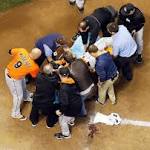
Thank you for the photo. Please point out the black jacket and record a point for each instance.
(81, 74)
(70, 100)
(97, 22)
(133, 22)
(45, 89)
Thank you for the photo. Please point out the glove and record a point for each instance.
(55, 66)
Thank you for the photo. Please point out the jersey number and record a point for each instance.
(18, 64)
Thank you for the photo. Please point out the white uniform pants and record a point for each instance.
(64, 121)
(18, 91)
(139, 40)
(79, 3)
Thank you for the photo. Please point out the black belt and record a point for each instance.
(8, 76)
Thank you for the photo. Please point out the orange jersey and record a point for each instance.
(21, 64)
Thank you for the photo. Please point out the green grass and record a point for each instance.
(6, 4)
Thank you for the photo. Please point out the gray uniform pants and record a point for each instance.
(18, 91)
(64, 124)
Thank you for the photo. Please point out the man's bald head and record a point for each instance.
(83, 26)
(35, 53)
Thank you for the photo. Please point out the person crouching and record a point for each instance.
(44, 96)
(70, 103)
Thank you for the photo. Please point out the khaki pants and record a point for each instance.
(107, 88)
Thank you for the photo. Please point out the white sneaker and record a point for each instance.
(21, 117)
(34, 125)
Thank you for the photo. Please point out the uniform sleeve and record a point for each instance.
(47, 50)
(35, 72)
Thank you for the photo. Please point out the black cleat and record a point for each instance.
(139, 59)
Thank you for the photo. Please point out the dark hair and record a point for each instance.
(112, 27)
(68, 57)
(83, 25)
(128, 8)
(61, 41)
(92, 49)
(64, 71)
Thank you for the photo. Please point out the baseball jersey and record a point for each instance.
(21, 64)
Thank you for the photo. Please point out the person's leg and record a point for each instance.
(51, 117)
(127, 71)
(83, 109)
(34, 115)
(15, 87)
(102, 91)
(64, 124)
(139, 41)
(111, 92)
(27, 96)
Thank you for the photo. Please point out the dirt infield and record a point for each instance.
(20, 27)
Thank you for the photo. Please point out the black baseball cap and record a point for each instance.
(64, 71)
(128, 8)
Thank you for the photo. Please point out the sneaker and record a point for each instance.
(21, 117)
(48, 127)
(34, 125)
(139, 59)
(113, 103)
(81, 10)
(60, 136)
(71, 123)
(72, 3)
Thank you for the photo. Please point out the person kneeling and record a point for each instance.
(70, 102)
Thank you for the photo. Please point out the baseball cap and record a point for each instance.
(64, 71)
(128, 8)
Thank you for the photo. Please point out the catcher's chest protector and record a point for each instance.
(81, 74)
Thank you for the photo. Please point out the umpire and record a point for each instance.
(131, 17)
(95, 23)
(44, 96)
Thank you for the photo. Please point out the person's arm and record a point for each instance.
(84, 36)
(94, 35)
(101, 72)
(48, 52)
(35, 72)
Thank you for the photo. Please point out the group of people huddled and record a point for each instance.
(104, 48)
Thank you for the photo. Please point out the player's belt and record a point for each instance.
(8, 75)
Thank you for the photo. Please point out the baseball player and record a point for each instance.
(15, 72)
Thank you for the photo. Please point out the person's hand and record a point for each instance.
(58, 113)
(100, 83)
(133, 33)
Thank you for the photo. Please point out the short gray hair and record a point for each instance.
(48, 69)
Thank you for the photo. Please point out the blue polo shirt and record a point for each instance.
(47, 44)
(105, 67)
(123, 43)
